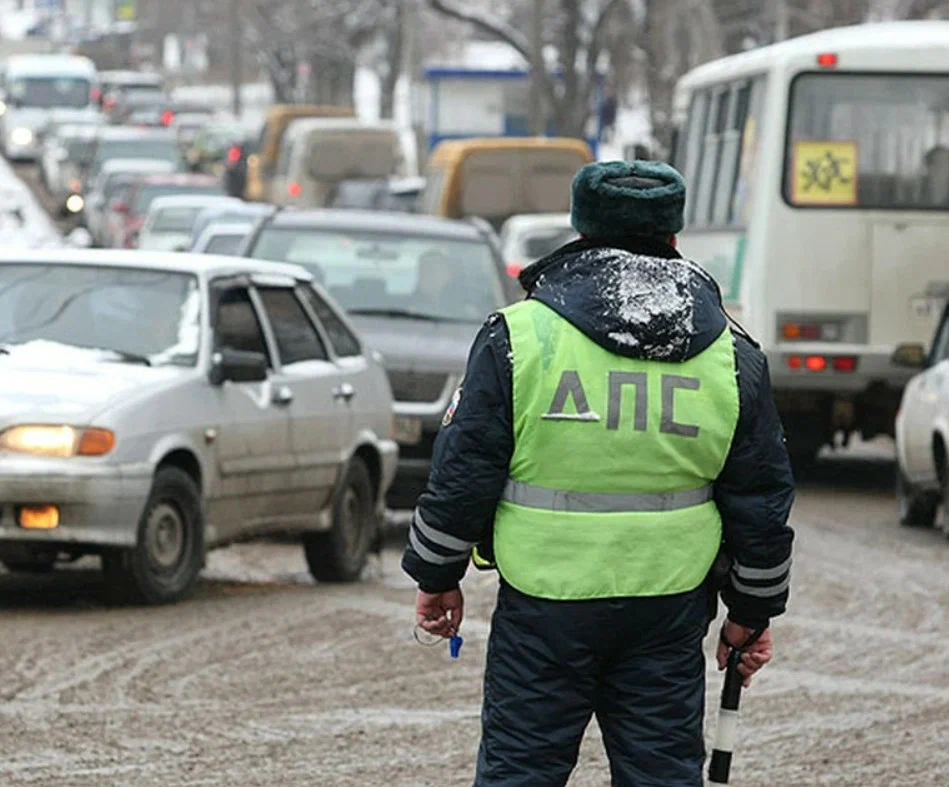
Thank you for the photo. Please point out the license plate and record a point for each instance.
(408, 431)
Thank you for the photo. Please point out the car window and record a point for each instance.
(224, 244)
(237, 326)
(297, 339)
(436, 278)
(345, 344)
(179, 219)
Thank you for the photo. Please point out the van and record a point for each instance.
(34, 88)
(495, 179)
(262, 164)
(318, 156)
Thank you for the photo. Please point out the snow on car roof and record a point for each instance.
(203, 265)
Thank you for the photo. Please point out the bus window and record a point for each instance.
(731, 147)
(746, 166)
(716, 124)
(687, 158)
(877, 141)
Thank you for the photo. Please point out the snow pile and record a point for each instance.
(651, 299)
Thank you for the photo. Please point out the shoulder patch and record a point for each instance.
(452, 407)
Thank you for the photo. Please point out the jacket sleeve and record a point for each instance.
(470, 464)
(754, 494)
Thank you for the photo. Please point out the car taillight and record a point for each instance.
(95, 94)
(167, 117)
(514, 269)
(234, 155)
(109, 104)
(294, 190)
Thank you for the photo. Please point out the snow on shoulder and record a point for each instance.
(651, 300)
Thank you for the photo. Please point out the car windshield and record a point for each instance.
(542, 241)
(179, 219)
(78, 149)
(48, 92)
(154, 315)
(146, 194)
(224, 244)
(434, 278)
(163, 150)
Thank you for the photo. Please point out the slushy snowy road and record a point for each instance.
(265, 679)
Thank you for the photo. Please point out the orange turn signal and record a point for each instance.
(39, 517)
(95, 442)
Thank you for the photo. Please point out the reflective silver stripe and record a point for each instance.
(531, 496)
(437, 537)
(432, 557)
(766, 592)
(746, 572)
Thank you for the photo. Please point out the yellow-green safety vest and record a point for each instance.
(610, 484)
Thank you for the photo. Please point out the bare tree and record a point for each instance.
(579, 32)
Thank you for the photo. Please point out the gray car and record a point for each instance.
(157, 405)
(418, 288)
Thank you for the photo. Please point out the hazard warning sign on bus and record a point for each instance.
(825, 173)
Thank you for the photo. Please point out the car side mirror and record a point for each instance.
(238, 366)
(910, 356)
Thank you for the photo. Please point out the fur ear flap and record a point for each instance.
(605, 207)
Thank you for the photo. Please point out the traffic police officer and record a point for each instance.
(612, 441)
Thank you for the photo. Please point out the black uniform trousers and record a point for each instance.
(636, 663)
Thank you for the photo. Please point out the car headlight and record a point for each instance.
(75, 203)
(3, 108)
(59, 441)
(21, 136)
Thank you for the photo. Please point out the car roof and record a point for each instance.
(136, 165)
(180, 179)
(524, 221)
(376, 221)
(130, 77)
(121, 133)
(188, 201)
(227, 227)
(206, 266)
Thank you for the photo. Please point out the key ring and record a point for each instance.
(422, 637)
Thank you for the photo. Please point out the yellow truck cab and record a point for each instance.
(262, 164)
(495, 179)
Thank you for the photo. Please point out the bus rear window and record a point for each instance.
(872, 141)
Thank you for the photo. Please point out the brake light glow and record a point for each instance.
(845, 363)
(795, 362)
(234, 155)
(514, 269)
(95, 94)
(167, 117)
(815, 363)
(827, 59)
(294, 190)
(109, 103)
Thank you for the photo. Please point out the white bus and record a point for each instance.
(37, 87)
(818, 175)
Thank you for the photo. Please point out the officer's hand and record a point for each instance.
(440, 613)
(754, 656)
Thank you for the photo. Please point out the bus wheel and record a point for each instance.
(916, 509)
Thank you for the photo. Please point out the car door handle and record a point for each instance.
(345, 392)
(282, 396)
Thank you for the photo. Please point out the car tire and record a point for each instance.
(36, 566)
(916, 509)
(168, 556)
(340, 554)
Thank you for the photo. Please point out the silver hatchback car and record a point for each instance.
(157, 405)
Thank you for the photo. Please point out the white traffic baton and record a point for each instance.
(727, 729)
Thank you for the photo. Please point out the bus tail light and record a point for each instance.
(795, 362)
(815, 363)
(811, 331)
(234, 155)
(845, 363)
(827, 59)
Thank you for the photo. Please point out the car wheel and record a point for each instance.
(35, 566)
(339, 555)
(916, 509)
(167, 558)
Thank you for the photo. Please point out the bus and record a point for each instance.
(818, 178)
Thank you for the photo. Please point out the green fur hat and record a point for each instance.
(616, 199)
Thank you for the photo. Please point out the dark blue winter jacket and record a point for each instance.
(754, 492)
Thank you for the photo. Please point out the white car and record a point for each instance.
(922, 433)
(115, 174)
(65, 149)
(223, 238)
(155, 406)
(170, 221)
(529, 237)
